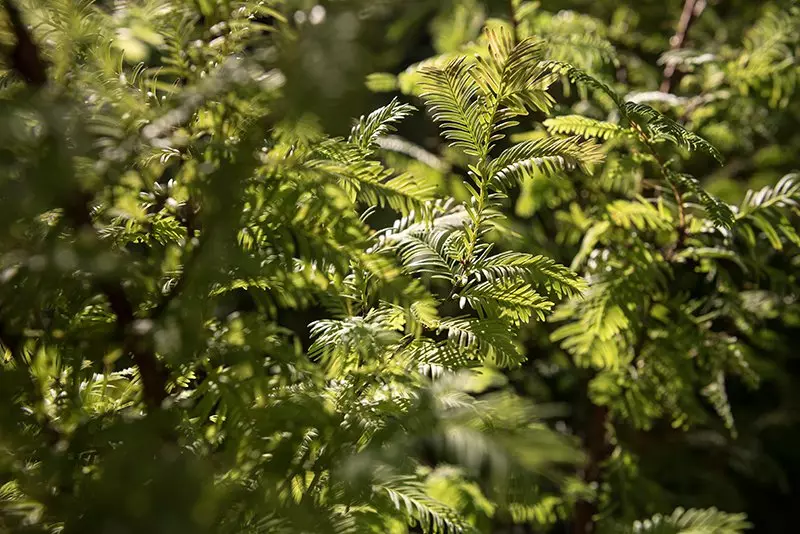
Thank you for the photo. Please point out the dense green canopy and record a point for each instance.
(379, 266)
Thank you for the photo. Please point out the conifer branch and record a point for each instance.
(326, 369)
(152, 373)
(26, 60)
(14, 342)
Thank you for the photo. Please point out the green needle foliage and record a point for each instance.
(161, 222)
(226, 306)
(667, 319)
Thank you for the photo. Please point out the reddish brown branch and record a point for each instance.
(25, 58)
(691, 10)
(151, 372)
(598, 448)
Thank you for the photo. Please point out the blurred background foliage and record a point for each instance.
(111, 120)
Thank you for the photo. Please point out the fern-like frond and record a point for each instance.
(16, 508)
(786, 193)
(341, 344)
(693, 521)
(546, 156)
(548, 510)
(379, 123)
(662, 127)
(718, 211)
(454, 100)
(317, 226)
(716, 394)
(404, 193)
(637, 214)
(427, 252)
(572, 37)
(511, 68)
(408, 495)
(490, 339)
(434, 357)
(581, 78)
(373, 185)
(494, 436)
(643, 115)
(557, 280)
(584, 127)
(769, 60)
(513, 78)
(594, 336)
(447, 216)
(514, 300)
(773, 212)
(582, 48)
(381, 82)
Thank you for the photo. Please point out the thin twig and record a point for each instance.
(691, 10)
